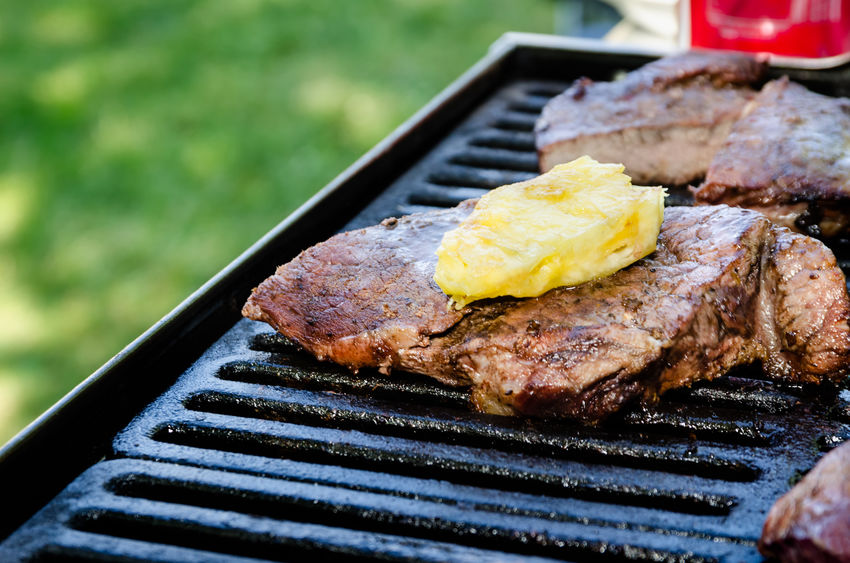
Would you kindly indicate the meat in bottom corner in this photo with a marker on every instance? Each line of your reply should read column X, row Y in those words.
column 811, row 522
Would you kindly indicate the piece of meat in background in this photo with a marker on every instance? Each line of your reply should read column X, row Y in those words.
column 663, row 121
column 788, row 157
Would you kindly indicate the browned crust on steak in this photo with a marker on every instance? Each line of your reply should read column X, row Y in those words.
column 789, row 152
column 361, row 296
column 811, row 522
column 724, row 287
column 663, row 121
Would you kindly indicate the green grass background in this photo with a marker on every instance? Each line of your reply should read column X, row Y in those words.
column 145, row 144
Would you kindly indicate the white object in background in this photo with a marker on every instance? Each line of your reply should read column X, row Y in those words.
column 652, row 23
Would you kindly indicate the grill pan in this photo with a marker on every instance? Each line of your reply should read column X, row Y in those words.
column 212, row 438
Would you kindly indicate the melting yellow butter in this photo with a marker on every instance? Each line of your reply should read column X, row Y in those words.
column 580, row 221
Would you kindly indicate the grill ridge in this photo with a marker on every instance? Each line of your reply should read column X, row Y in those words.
column 565, row 445
column 281, row 528
column 303, row 375
column 499, row 139
column 136, row 499
column 505, row 159
column 326, row 508
column 737, row 406
column 457, row 469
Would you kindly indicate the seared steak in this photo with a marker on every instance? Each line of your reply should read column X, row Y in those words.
column 361, row 296
column 663, row 121
column 724, row 287
column 789, row 157
column 811, row 523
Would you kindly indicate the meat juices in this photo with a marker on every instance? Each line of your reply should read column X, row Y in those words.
column 663, row 121
column 724, row 287
column 811, row 523
column 788, row 157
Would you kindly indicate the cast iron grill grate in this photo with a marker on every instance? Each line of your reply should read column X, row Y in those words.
column 259, row 452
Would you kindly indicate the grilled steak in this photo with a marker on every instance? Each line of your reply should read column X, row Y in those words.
column 811, row 523
column 663, row 121
column 787, row 157
column 724, row 287
column 360, row 297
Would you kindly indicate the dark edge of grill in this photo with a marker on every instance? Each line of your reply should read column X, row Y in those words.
column 260, row 452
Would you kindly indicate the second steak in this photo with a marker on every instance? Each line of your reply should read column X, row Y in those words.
column 787, row 157
column 663, row 121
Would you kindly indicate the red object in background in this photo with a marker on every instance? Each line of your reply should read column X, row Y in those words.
column 795, row 28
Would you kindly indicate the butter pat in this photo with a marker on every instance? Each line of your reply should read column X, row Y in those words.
column 580, row 221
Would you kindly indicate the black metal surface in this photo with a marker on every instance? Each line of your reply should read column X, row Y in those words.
column 262, row 452
column 258, row 452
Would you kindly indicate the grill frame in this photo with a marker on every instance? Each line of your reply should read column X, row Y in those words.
column 81, row 427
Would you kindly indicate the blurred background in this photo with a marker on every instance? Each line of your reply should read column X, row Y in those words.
column 145, row 144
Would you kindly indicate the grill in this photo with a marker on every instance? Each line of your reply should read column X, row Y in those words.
column 212, row 438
